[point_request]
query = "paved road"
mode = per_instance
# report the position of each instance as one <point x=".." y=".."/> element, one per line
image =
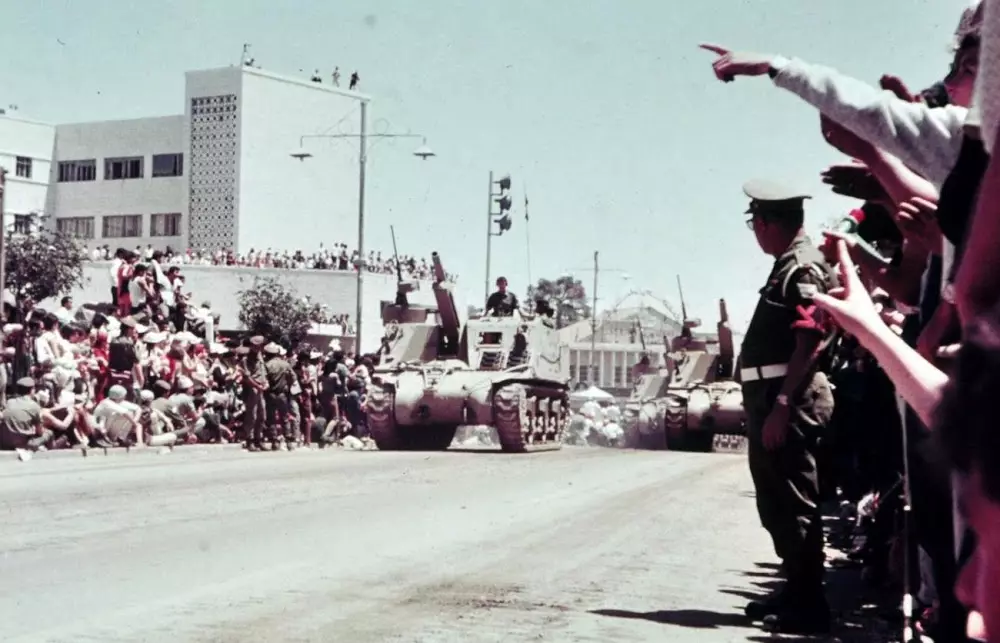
<point x="579" y="545"/>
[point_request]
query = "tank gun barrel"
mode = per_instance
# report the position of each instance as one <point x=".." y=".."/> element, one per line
<point x="439" y="273"/>
<point x="447" y="310"/>
<point x="726" y="348"/>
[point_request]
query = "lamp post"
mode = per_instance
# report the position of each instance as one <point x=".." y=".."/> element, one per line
<point x="423" y="152"/>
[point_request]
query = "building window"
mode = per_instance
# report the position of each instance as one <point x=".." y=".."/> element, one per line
<point x="122" y="225"/>
<point x="572" y="371"/>
<point x="165" y="225"/>
<point x="168" y="165"/>
<point x="618" y="376"/>
<point x="23" y="169"/>
<point x="123" y="168"/>
<point x="72" y="171"/>
<point x="628" y="377"/>
<point x="78" y="227"/>
<point x="22" y="223"/>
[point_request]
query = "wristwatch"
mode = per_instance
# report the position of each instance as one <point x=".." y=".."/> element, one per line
<point x="781" y="400"/>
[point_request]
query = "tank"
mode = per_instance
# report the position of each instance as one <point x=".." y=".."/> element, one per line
<point x="685" y="405"/>
<point x="702" y="399"/>
<point x="434" y="375"/>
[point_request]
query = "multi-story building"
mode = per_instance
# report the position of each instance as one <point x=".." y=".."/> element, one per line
<point x="26" y="149"/>
<point x="218" y="175"/>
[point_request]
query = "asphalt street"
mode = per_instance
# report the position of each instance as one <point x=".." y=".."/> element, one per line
<point x="584" y="544"/>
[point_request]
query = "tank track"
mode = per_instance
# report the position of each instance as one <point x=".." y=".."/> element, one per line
<point x="382" y="419"/>
<point x="530" y="417"/>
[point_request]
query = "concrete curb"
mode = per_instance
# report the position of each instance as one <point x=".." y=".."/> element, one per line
<point x="64" y="454"/>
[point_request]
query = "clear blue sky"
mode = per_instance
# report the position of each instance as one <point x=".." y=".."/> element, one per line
<point x="605" y="110"/>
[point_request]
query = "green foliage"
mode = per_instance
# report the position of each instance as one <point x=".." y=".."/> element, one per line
<point x="272" y="309"/>
<point x="44" y="263"/>
<point x="566" y="295"/>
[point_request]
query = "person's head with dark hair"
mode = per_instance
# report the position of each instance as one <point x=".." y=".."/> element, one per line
<point x="966" y="426"/>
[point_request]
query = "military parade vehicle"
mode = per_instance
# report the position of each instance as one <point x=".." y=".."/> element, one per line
<point x="696" y="398"/>
<point x="435" y="375"/>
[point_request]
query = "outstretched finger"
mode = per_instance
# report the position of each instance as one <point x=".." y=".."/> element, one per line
<point x="923" y="204"/>
<point x="846" y="265"/>
<point x="715" y="49"/>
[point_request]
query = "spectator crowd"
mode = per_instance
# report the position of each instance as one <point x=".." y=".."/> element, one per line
<point x="149" y="368"/>
<point x="913" y="449"/>
<point x="337" y="257"/>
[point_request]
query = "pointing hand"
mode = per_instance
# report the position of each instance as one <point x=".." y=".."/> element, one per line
<point x="730" y="64"/>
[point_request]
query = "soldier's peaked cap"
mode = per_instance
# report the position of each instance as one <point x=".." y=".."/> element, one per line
<point x="771" y="195"/>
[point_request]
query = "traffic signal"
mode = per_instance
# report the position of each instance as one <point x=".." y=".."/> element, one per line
<point x="504" y="202"/>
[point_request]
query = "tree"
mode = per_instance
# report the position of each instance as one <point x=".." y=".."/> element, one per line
<point x="272" y="309"/>
<point x="43" y="263"/>
<point x="566" y="295"/>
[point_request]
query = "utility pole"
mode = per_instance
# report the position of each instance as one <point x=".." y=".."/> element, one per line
<point x="502" y="199"/>
<point x="362" y="162"/>
<point x="593" y="327"/>
<point x="489" y="236"/>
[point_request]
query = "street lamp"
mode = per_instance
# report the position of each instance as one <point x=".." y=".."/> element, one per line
<point x="423" y="153"/>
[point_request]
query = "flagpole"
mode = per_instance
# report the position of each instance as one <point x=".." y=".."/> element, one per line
<point x="527" y="233"/>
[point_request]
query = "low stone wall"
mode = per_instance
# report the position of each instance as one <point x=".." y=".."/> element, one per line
<point x="221" y="285"/>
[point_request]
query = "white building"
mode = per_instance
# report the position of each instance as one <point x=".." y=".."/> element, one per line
<point x="26" y="149"/>
<point x="638" y="324"/>
<point x="218" y="175"/>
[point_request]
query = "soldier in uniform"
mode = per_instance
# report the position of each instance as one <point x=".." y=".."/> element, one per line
<point x="254" y="387"/>
<point x="279" y="383"/>
<point x="789" y="402"/>
<point x="502" y="303"/>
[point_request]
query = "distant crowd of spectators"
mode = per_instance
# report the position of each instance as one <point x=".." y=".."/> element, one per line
<point x="335" y="257"/>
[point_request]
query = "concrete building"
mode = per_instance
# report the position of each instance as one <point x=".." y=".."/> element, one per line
<point x="216" y="175"/>
<point x="26" y="152"/>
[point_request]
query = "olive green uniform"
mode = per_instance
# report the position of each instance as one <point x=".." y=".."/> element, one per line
<point x="279" y="380"/>
<point x="785" y="479"/>
<point x="253" y="401"/>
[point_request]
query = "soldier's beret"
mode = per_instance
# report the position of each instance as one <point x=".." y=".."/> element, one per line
<point x="771" y="196"/>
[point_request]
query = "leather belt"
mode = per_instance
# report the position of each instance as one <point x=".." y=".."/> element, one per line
<point x="754" y="373"/>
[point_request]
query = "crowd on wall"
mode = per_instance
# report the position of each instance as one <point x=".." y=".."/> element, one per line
<point x="914" y="300"/>
<point x="335" y="257"/>
<point x="148" y="368"/>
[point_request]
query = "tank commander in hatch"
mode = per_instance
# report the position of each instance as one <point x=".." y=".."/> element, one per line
<point x="502" y="303"/>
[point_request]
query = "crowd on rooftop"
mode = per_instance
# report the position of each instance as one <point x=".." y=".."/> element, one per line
<point x="335" y="257"/>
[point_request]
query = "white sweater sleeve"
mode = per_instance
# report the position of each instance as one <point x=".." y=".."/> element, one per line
<point x="927" y="140"/>
<point x="988" y="80"/>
